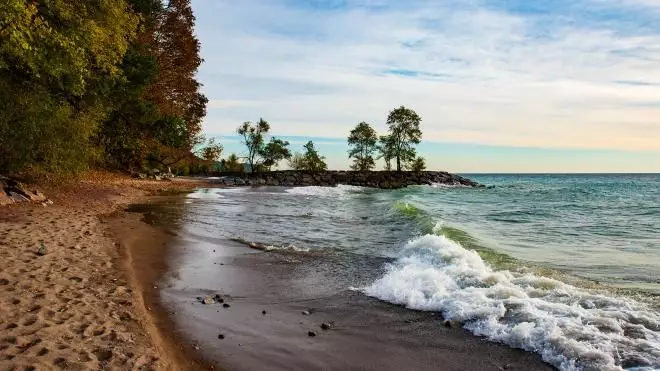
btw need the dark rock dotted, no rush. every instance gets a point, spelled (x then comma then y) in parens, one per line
(263, 312)
(452, 324)
(311, 333)
(325, 326)
(225, 305)
(221, 336)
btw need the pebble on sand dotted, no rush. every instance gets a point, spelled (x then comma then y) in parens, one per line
(221, 336)
(305, 313)
(311, 333)
(325, 326)
(225, 305)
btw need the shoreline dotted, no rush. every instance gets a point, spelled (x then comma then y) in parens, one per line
(87, 301)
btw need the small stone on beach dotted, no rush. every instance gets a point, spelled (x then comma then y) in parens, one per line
(225, 305)
(311, 333)
(42, 250)
(263, 312)
(325, 326)
(208, 300)
(305, 313)
(221, 336)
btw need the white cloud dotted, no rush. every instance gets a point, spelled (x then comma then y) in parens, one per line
(496, 79)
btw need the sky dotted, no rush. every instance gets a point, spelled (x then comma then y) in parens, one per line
(501, 85)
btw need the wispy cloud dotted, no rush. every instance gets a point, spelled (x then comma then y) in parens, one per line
(578, 74)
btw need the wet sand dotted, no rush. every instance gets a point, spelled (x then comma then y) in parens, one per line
(365, 334)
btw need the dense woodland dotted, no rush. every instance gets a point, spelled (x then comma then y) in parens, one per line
(103, 83)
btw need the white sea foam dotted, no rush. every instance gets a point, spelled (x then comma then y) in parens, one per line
(324, 191)
(571, 328)
(286, 248)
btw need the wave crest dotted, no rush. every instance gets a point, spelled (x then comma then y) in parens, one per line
(571, 328)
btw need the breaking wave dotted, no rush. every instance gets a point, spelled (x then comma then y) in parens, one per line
(571, 328)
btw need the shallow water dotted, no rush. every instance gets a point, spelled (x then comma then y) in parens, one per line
(566, 266)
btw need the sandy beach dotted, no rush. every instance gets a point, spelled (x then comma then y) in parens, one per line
(81, 306)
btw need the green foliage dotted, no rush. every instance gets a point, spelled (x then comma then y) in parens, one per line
(404, 132)
(262, 155)
(275, 151)
(363, 142)
(58, 62)
(417, 165)
(386, 148)
(309, 160)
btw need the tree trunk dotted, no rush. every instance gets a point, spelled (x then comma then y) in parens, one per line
(398, 163)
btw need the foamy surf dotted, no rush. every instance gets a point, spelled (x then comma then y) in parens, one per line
(571, 328)
(324, 191)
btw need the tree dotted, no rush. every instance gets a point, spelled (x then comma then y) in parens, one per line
(386, 151)
(363, 140)
(212, 151)
(275, 151)
(297, 162)
(232, 164)
(311, 161)
(404, 132)
(253, 138)
(58, 60)
(261, 154)
(418, 164)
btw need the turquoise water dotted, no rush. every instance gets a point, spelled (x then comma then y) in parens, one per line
(567, 266)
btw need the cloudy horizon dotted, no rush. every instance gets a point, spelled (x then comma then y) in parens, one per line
(500, 85)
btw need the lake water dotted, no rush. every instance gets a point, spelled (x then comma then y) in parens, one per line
(566, 266)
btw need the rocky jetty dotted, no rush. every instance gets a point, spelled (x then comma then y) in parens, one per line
(12, 191)
(373, 179)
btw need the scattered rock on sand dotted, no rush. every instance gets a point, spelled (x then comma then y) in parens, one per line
(325, 326)
(208, 300)
(311, 333)
(452, 324)
(263, 312)
(225, 305)
(305, 313)
(221, 336)
(42, 250)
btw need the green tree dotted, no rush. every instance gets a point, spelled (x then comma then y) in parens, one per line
(253, 138)
(418, 164)
(274, 151)
(386, 151)
(404, 132)
(311, 160)
(261, 154)
(363, 142)
(297, 162)
(58, 61)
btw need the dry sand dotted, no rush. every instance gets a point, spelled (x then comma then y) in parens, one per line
(83, 304)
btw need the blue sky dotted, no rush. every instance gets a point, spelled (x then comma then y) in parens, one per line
(501, 85)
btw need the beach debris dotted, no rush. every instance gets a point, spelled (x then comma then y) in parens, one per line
(207, 300)
(311, 334)
(225, 305)
(221, 336)
(326, 326)
(218, 298)
(42, 250)
(305, 313)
